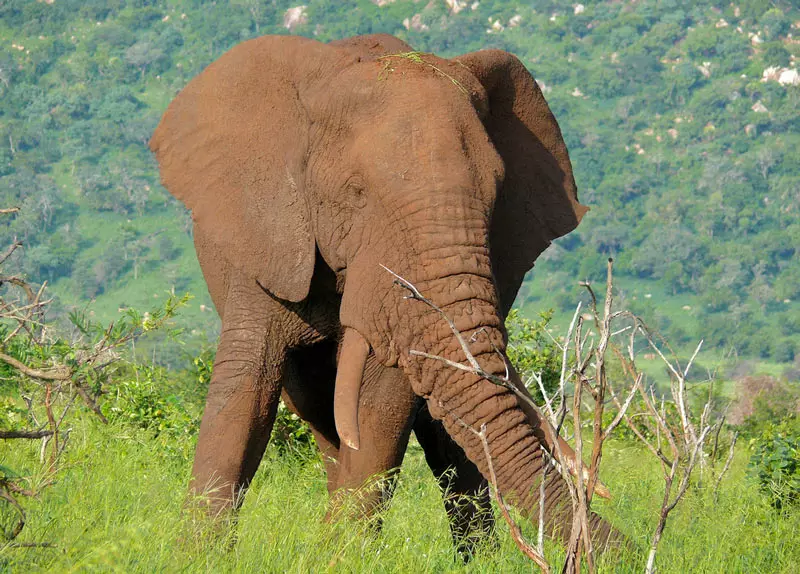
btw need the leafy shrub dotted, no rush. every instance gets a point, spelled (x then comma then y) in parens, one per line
(531, 350)
(775, 462)
(290, 432)
(141, 400)
(775, 22)
(774, 54)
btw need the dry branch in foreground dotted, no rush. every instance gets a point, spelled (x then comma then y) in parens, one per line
(584, 368)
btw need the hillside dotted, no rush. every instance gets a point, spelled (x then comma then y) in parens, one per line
(681, 120)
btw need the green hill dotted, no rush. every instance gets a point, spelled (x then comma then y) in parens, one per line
(681, 120)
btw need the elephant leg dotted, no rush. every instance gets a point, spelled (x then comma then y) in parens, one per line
(464, 490)
(308, 386)
(242, 398)
(385, 415)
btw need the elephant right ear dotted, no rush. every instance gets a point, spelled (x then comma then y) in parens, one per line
(538, 201)
(231, 146)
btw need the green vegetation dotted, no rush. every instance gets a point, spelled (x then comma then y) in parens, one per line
(121, 512)
(688, 159)
(533, 353)
(776, 462)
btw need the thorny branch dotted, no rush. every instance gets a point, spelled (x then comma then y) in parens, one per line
(535, 554)
(685, 443)
(475, 368)
(727, 463)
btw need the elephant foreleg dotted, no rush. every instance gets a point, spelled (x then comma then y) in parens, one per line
(367, 476)
(464, 490)
(242, 400)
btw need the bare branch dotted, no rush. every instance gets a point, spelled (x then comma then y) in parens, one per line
(690, 467)
(57, 374)
(25, 434)
(564, 362)
(694, 356)
(21, 512)
(727, 462)
(90, 402)
(623, 408)
(11, 249)
(548, 405)
(516, 532)
(542, 493)
(415, 294)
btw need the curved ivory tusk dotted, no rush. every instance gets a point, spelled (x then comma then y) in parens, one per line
(352, 359)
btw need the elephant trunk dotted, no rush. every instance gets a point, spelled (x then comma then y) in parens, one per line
(464, 402)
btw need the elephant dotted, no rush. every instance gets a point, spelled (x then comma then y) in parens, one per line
(311, 171)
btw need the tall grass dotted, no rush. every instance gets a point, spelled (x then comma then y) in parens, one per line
(117, 507)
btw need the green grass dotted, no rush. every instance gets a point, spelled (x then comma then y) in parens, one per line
(116, 507)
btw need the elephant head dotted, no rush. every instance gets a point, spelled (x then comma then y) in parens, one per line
(362, 155)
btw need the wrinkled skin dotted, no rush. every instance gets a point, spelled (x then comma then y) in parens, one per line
(308, 166)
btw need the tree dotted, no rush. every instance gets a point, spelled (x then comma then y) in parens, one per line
(143, 54)
(776, 24)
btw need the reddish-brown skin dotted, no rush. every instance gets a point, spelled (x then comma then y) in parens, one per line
(307, 166)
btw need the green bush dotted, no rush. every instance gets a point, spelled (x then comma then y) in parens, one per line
(775, 462)
(141, 399)
(531, 350)
(290, 432)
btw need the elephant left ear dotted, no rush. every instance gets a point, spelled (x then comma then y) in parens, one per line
(538, 201)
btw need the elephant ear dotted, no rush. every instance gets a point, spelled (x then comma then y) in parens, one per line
(538, 201)
(231, 147)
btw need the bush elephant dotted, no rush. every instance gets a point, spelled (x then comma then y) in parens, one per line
(308, 168)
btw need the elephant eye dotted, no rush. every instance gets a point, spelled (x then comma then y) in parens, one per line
(356, 191)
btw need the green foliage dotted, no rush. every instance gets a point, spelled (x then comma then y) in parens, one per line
(290, 432)
(775, 462)
(532, 351)
(776, 23)
(45, 373)
(139, 398)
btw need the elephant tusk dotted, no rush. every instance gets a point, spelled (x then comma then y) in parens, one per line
(352, 360)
